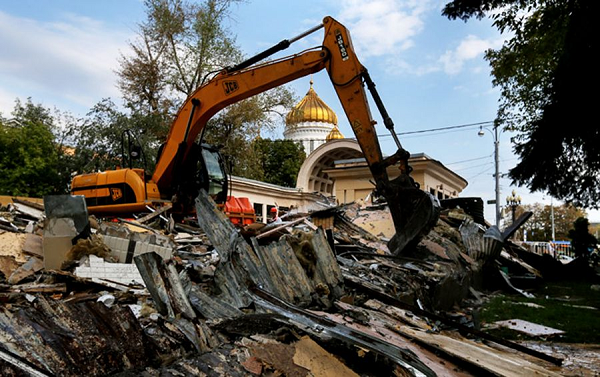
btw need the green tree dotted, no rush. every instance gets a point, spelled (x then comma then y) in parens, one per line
(545, 71)
(539, 225)
(180, 45)
(32, 161)
(101, 138)
(236, 128)
(581, 239)
(281, 160)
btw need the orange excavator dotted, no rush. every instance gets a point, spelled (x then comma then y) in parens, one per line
(185, 165)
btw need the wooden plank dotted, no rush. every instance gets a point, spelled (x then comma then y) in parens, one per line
(328, 330)
(327, 270)
(152, 215)
(376, 292)
(529, 328)
(492, 360)
(165, 287)
(321, 363)
(286, 276)
(281, 227)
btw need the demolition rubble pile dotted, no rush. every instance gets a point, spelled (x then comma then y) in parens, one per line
(316, 294)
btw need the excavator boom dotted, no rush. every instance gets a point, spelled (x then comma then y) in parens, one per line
(414, 211)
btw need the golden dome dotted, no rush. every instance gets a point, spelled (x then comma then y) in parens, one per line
(334, 134)
(311, 109)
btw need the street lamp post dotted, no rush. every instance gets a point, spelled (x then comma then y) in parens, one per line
(496, 168)
(513, 202)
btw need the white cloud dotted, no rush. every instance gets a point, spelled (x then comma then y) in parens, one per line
(470, 48)
(71, 60)
(383, 26)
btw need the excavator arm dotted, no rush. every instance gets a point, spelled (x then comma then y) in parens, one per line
(414, 212)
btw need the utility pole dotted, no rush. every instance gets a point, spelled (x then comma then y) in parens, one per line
(497, 173)
(496, 168)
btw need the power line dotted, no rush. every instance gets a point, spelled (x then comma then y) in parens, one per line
(479, 124)
(469, 160)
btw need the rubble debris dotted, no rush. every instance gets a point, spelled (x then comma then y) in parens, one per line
(30, 267)
(33, 245)
(521, 291)
(11, 244)
(484, 245)
(137, 227)
(274, 266)
(7, 225)
(165, 286)
(489, 359)
(8, 265)
(309, 355)
(66, 222)
(126, 244)
(320, 295)
(528, 328)
(325, 330)
(28, 209)
(384, 297)
(72, 339)
(473, 207)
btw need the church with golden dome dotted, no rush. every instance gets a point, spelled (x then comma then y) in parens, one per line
(311, 122)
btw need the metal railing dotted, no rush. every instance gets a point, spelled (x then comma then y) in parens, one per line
(554, 249)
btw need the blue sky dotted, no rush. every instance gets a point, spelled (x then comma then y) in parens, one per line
(429, 71)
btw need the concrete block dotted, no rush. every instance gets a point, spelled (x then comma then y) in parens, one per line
(58, 236)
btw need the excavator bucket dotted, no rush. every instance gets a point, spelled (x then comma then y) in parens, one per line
(414, 212)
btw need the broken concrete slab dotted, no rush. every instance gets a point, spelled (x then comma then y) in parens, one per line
(29, 211)
(33, 245)
(103, 272)
(126, 244)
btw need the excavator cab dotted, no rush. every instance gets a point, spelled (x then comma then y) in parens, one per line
(203, 169)
(214, 173)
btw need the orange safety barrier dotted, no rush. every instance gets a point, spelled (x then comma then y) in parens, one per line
(240, 211)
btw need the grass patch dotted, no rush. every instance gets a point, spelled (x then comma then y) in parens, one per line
(560, 311)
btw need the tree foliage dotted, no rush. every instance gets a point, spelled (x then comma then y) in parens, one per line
(33, 162)
(539, 225)
(280, 160)
(180, 45)
(101, 138)
(546, 74)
